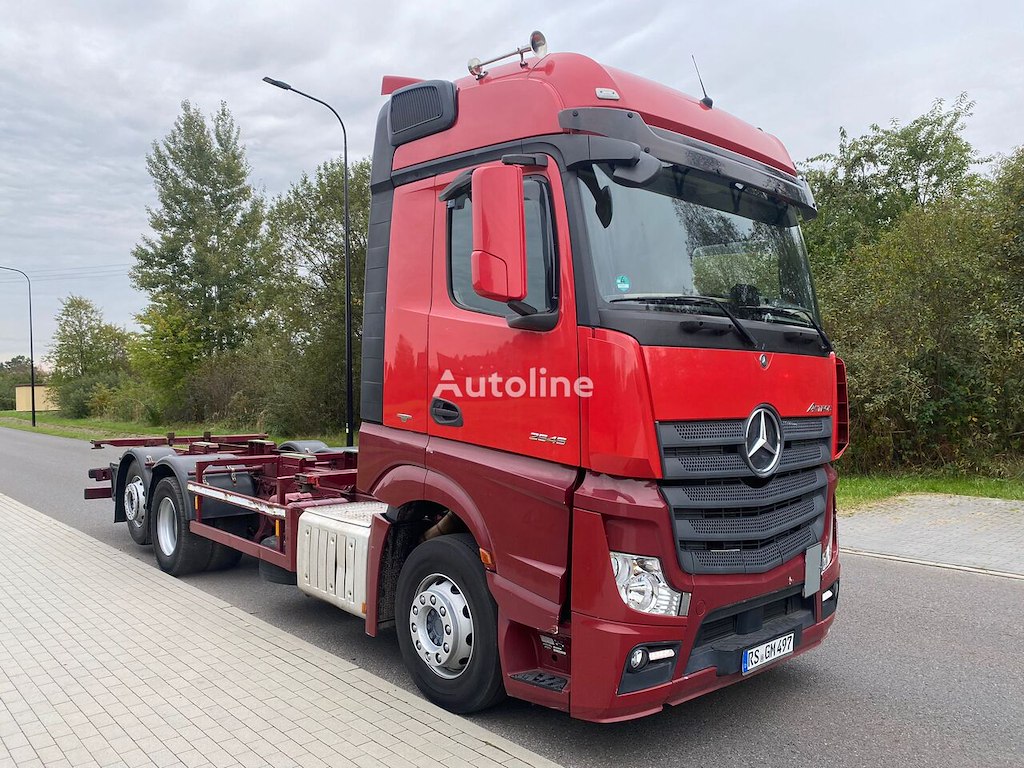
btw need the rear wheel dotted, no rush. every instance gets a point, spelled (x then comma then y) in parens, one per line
(223, 557)
(178, 550)
(448, 625)
(135, 504)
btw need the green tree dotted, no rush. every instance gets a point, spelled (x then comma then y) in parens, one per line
(863, 188)
(169, 348)
(921, 282)
(207, 253)
(84, 343)
(87, 354)
(307, 224)
(1007, 206)
(15, 373)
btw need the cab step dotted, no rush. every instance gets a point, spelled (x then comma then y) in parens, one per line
(542, 679)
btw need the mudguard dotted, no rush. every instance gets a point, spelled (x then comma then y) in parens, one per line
(183, 468)
(144, 456)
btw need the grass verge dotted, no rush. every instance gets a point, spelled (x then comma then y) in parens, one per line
(859, 490)
(52, 423)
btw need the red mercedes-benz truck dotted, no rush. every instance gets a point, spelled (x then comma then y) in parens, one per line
(598, 412)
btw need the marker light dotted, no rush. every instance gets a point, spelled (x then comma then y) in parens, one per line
(830, 538)
(642, 586)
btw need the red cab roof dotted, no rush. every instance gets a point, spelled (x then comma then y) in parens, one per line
(514, 102)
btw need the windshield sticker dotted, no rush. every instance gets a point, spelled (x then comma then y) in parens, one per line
(622, 283)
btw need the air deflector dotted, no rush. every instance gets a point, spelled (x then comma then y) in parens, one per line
(419, 110)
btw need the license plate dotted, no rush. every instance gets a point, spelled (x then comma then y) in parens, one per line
(768, 652)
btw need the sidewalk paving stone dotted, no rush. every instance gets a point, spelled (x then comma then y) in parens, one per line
(956, 530)
(105, 660)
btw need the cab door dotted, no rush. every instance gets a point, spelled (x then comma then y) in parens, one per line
(490, 383)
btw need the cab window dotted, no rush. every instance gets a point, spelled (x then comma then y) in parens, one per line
(540, 252)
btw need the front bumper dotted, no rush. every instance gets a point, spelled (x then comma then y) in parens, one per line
(702, 664)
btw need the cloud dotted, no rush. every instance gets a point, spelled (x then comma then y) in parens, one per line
(85, 89)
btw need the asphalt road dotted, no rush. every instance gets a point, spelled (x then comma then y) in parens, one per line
(922, 668)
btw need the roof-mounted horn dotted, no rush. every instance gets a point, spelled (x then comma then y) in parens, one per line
(538, 44)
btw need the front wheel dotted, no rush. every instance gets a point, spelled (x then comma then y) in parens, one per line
(178, 550)
(448, 625)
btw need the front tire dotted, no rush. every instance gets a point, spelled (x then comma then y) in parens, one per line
(448, 625)
(135, 508)
(178, 550)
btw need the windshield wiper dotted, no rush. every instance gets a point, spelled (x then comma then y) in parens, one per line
(801, 314)
(688, 300)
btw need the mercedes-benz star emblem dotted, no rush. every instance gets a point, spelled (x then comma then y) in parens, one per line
(762, 441)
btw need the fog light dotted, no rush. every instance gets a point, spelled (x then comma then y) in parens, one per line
(648, 665)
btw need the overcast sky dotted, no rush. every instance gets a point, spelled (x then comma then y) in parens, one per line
(85, 87)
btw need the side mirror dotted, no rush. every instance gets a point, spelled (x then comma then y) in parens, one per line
(499, 233)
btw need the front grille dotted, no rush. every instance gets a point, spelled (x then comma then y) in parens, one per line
(726, 520)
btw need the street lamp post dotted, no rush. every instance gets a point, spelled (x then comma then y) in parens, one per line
(349, 418)
(31, 350)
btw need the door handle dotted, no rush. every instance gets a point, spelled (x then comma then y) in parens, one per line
(445, 413)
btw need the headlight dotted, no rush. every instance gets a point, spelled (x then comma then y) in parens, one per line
(641, 584)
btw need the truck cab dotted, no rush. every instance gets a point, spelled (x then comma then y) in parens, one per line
(591, 342)
(598, 412)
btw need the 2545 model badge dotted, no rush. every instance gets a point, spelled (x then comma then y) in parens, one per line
(542, 438)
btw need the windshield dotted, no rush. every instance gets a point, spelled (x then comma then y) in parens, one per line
(689, 233)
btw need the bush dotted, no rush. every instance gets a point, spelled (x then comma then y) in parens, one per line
(76, 396)
(131, 401)
(930, 334)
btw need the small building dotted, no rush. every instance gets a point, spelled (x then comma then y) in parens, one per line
(46, 398)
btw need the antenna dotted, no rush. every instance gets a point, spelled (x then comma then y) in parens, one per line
(706, 101)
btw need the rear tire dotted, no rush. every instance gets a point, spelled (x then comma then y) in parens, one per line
(178, 550)
(448, 625)
(135, 508)
(273, 573)
(223, 557)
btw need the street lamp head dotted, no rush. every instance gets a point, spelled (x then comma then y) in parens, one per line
(279, 83)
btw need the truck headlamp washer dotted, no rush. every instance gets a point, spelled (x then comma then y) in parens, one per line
(441, 625)
(762, 441)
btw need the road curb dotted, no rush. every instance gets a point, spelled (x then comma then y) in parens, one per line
(934, 564)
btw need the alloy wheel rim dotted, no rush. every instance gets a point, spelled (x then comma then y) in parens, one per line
(166, 527)
(441, 626)
(135, 502)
